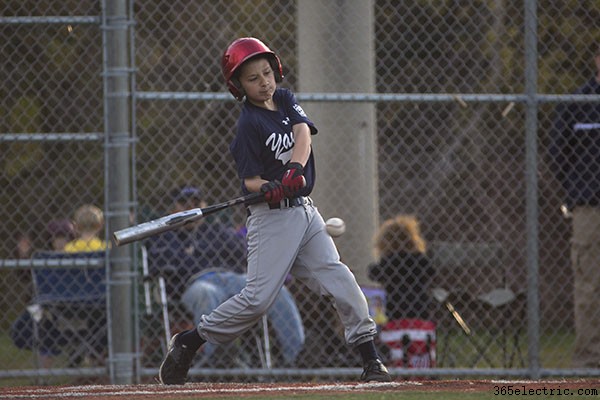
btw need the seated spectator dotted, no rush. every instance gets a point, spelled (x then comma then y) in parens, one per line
(59, 233)
(406, 273)
(403, 269)
(24, 247)
(89, 222)
(205, 261)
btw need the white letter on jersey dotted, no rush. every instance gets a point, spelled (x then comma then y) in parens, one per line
(281, 145)
(299, 110)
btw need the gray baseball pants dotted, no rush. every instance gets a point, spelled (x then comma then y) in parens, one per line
(290, 240)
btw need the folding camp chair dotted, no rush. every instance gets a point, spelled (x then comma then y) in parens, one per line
(167, 304)
(506, 312)
(472, 286)
(444, 297)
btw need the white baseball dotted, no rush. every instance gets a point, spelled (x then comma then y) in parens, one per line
(335, 226)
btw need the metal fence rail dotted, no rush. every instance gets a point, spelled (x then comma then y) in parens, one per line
(438, 110)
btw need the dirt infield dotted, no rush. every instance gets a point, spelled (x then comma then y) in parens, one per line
(264, 390)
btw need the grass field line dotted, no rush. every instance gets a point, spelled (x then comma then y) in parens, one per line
(120, 390)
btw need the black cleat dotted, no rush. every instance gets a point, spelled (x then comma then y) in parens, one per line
(375, 371)
(177, 363)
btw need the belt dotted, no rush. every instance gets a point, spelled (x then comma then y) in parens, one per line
(285, 203)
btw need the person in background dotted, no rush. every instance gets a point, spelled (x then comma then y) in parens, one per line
(24, 246)
(403, 269)
(51, 340)
(575, 153)
(89, 222)
(59, 232)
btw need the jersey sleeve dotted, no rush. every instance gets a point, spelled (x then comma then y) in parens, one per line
(246, 149)
(296, 112)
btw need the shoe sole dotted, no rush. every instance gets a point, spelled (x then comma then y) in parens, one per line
(379, 379)
(160, 378)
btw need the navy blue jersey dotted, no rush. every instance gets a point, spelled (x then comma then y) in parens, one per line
(576, 148)
(264, 140)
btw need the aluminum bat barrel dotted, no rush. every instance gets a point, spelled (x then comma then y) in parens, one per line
(146, 229)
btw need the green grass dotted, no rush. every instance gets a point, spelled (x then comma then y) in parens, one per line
(14, 358)
(556, 349)
(458, 350)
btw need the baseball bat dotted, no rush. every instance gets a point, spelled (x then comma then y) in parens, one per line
(178, 219)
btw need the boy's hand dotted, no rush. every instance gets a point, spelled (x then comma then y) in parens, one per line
(273, 191)
(293, 179)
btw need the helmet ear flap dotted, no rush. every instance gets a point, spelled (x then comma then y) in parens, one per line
(276, 67)
(236, 88)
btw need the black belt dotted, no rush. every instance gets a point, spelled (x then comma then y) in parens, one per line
(287, 203)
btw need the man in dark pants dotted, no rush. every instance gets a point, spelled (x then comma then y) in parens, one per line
(576, 155)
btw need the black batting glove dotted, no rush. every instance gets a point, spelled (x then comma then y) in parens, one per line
(273, 191)
(293, 179)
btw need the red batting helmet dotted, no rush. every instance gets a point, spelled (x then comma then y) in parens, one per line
(241, 50)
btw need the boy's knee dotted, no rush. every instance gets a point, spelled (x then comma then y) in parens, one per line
(256, 305)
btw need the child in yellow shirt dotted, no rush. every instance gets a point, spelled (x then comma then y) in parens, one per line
(88, 221)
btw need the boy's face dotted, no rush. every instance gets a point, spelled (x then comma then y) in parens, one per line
(258, 81)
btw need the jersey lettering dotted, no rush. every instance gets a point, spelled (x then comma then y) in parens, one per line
(281, 145)
(299, 110)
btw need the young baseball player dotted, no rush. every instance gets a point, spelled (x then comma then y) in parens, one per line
(286, 233)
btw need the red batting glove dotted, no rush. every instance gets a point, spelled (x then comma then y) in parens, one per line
(293, 179)
(273, 191)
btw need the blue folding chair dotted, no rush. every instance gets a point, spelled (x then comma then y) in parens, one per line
(70, 295)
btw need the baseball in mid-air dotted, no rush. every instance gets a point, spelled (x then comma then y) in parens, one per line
(335, 226)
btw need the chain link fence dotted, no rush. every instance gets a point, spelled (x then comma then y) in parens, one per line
(447, 101)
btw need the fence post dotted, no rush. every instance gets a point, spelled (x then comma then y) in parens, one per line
(352, 124)
(117, 97)
(531, 184)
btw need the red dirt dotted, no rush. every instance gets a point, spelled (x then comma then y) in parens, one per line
(245, 390)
